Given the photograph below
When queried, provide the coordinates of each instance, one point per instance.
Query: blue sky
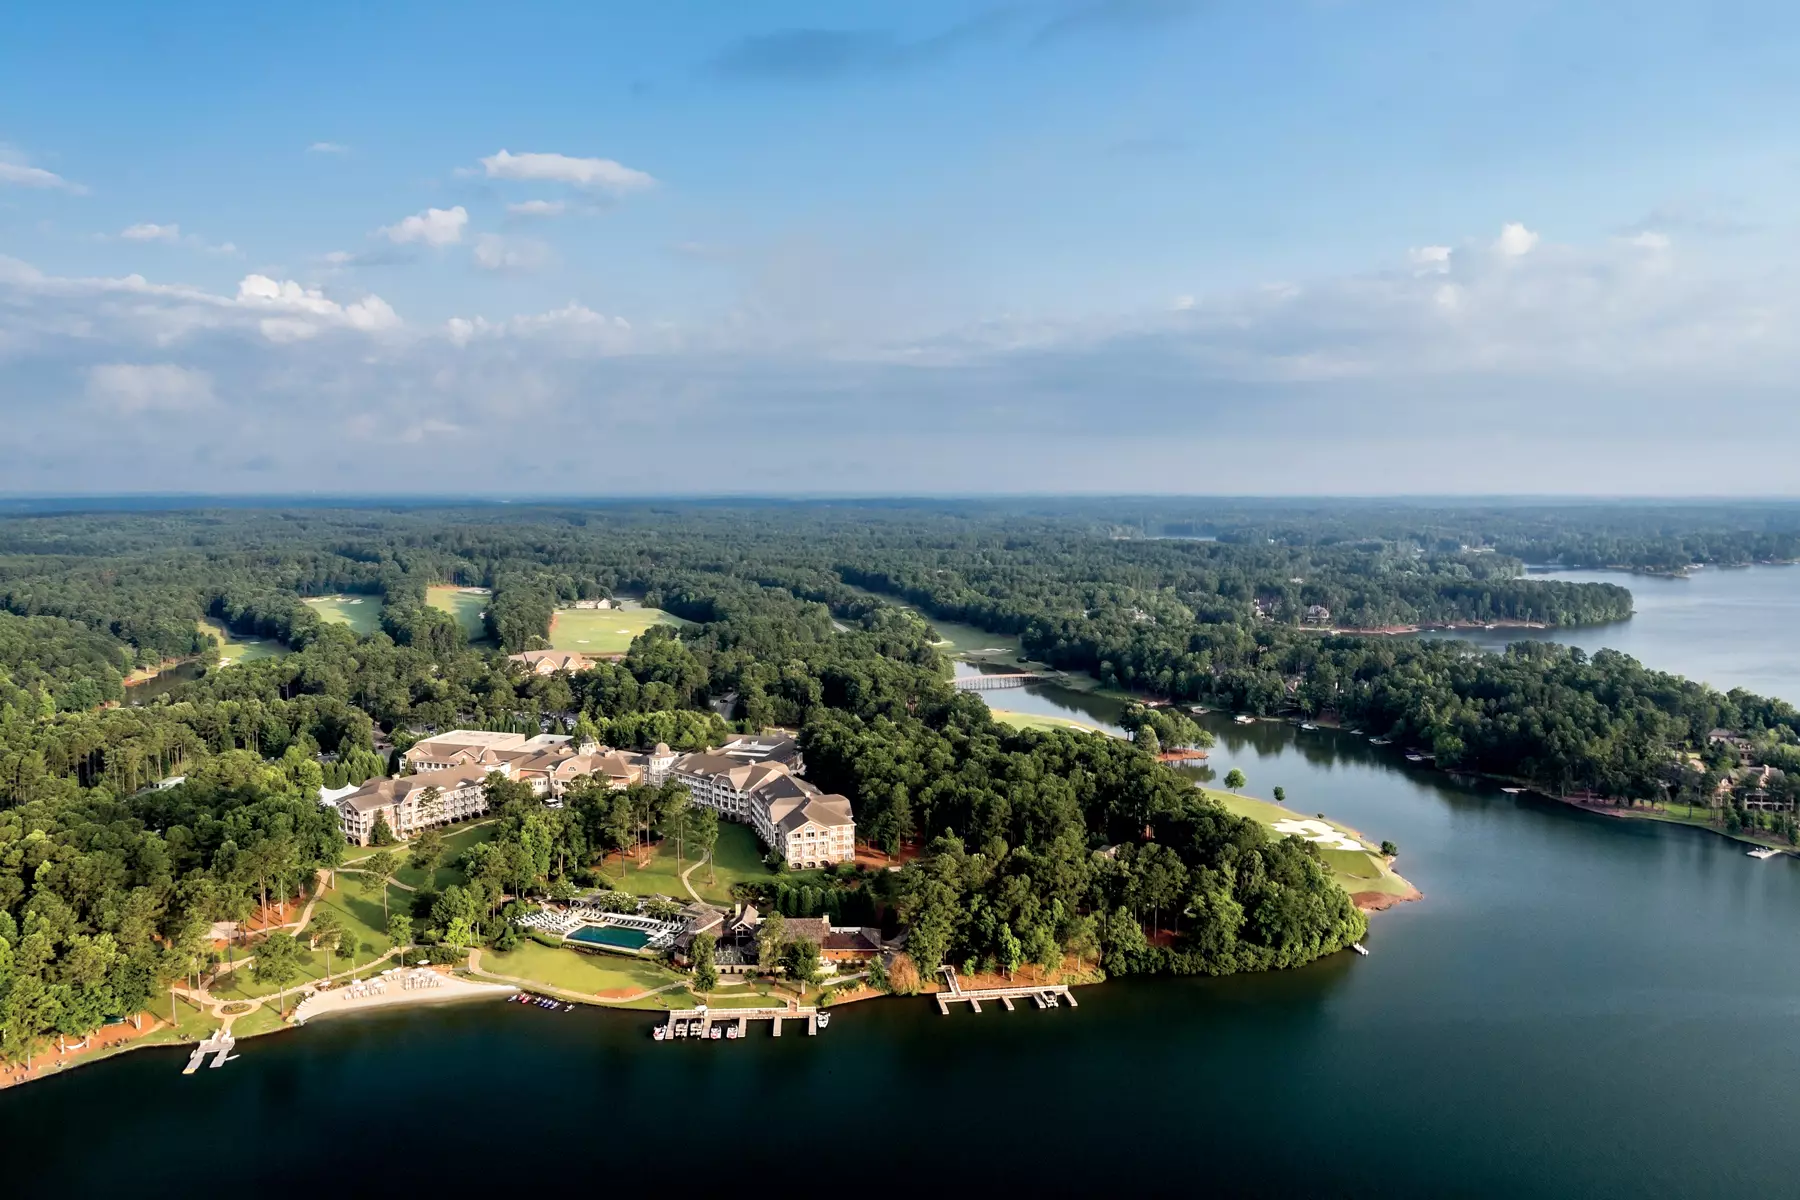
(1143, 245)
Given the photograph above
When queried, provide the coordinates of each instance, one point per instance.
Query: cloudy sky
(1344, 246)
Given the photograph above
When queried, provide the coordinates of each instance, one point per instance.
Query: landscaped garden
(737, 858)
(613, 976)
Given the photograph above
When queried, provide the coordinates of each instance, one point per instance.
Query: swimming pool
(610, 936)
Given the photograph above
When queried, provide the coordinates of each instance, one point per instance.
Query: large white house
(809, 828)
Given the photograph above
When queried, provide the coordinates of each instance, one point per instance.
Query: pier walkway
(1044, 995)
(219, 1046)
(699, 1022)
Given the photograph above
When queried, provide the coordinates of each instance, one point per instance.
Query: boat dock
(701, 1022)
(1044, 995)
(219, 1046)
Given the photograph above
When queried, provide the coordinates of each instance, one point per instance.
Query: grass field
(454, 845)
(736, 859)
(604, 631)
(360, 613)
(1355, 870)
(236, 648)
(1020, 720)
(464, 605)
(575, 971)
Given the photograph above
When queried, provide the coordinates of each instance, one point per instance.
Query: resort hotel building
(752, 779)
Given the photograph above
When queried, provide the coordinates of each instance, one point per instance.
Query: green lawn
(574, 971)
(357, 903)
(238, 648)
(604, 631)
(736, 859)
(1020, 720)
(1355, 870)
(454, 845)
(466, 606)
(360, 613)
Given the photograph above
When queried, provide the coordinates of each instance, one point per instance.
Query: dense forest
(813, 616)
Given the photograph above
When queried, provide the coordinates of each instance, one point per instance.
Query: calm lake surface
(1732, 628)
(1580, 1006)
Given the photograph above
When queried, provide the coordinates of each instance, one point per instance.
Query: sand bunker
(1318, 832)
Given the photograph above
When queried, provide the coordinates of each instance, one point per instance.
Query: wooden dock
(1044, 995)
(220, 1047)
(699, 1022)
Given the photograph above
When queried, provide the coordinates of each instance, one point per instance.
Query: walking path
(215, 1006)
(690, 887)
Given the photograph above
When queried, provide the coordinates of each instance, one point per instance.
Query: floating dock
(700, 1022)
(219, 1047)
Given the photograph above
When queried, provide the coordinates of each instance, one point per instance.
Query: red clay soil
(278, 914)
(1028, 975)
(1373, 902)
(105, 1038)
(1170, 756)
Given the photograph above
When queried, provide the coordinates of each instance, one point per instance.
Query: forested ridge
(1033, 844)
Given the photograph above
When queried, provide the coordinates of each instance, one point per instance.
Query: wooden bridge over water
(987, 683)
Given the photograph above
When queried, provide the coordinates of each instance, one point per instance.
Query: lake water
(1580, 1006)
(1732, 628)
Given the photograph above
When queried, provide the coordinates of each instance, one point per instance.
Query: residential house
(1737, 743)
(851, 944)
(549, 662)
(1316, 614)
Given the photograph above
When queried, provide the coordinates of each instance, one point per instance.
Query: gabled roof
(380, 793)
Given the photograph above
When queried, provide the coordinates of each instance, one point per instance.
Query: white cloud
(495, 253)
(1430, 260)
(602, 174)
(433, 227)
(20, 174)
(130, 388)
(1515, 240)
(300, 313)
(575, 326)
(1649, 239)
(151, 232)
(538, 208)
(1181, 303)
(327, 148)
